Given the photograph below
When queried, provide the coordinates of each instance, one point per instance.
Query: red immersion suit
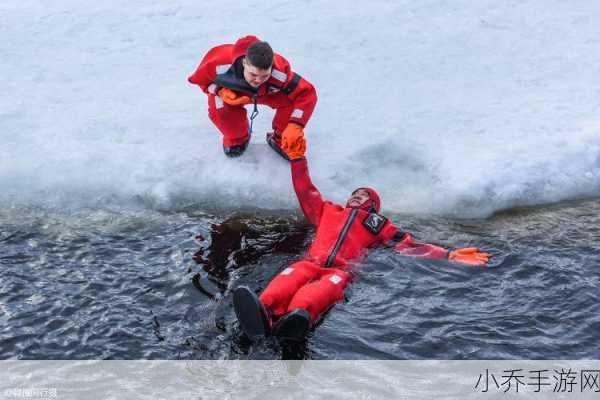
(344, 235)
(292, 96)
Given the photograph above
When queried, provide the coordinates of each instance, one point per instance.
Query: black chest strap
(292, 85)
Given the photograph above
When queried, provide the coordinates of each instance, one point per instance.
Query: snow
(457, 108)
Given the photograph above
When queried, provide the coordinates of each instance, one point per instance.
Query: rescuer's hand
(290, 136)
(232, 98)
(296, 149)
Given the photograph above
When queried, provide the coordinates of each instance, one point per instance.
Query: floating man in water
(298, 296)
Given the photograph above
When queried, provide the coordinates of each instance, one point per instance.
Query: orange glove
(232, 98)
(469, 255)
(290, 136)
(297, 149)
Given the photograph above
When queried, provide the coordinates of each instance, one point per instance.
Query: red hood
(373, 202)
(241, 46)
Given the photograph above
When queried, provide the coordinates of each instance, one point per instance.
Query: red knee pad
(282, 288)
(317, 297)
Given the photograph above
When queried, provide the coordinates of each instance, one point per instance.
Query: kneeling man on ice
(298, 296)
(250, 73)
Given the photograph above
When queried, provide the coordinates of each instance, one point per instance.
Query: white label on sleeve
(279, 75)
(221, 69)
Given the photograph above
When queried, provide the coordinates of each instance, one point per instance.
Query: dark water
(124, 284)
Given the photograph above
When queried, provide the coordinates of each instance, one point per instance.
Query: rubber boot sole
(236, 151)
(273, 144)
(250, 313)
(293, 326)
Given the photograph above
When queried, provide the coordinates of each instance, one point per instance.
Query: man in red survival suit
(249, 72)
(296, 298)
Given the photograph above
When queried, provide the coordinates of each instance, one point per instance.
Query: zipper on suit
(342, 237)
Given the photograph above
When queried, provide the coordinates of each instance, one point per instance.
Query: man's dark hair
(260, 54)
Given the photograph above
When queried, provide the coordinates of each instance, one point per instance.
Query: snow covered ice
(453, 108)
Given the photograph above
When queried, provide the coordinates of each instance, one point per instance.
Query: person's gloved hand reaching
(290, 136)
(469, 255)
(296, 149)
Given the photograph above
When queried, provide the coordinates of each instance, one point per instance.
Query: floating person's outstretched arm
(403, 242)
(309, 197)
(387, 234)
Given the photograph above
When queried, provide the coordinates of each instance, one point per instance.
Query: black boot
(236, 151)
(251, 314)
(274, 141)
(293, 326)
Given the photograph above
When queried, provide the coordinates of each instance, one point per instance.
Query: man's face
(255, 76)
(358, 198)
